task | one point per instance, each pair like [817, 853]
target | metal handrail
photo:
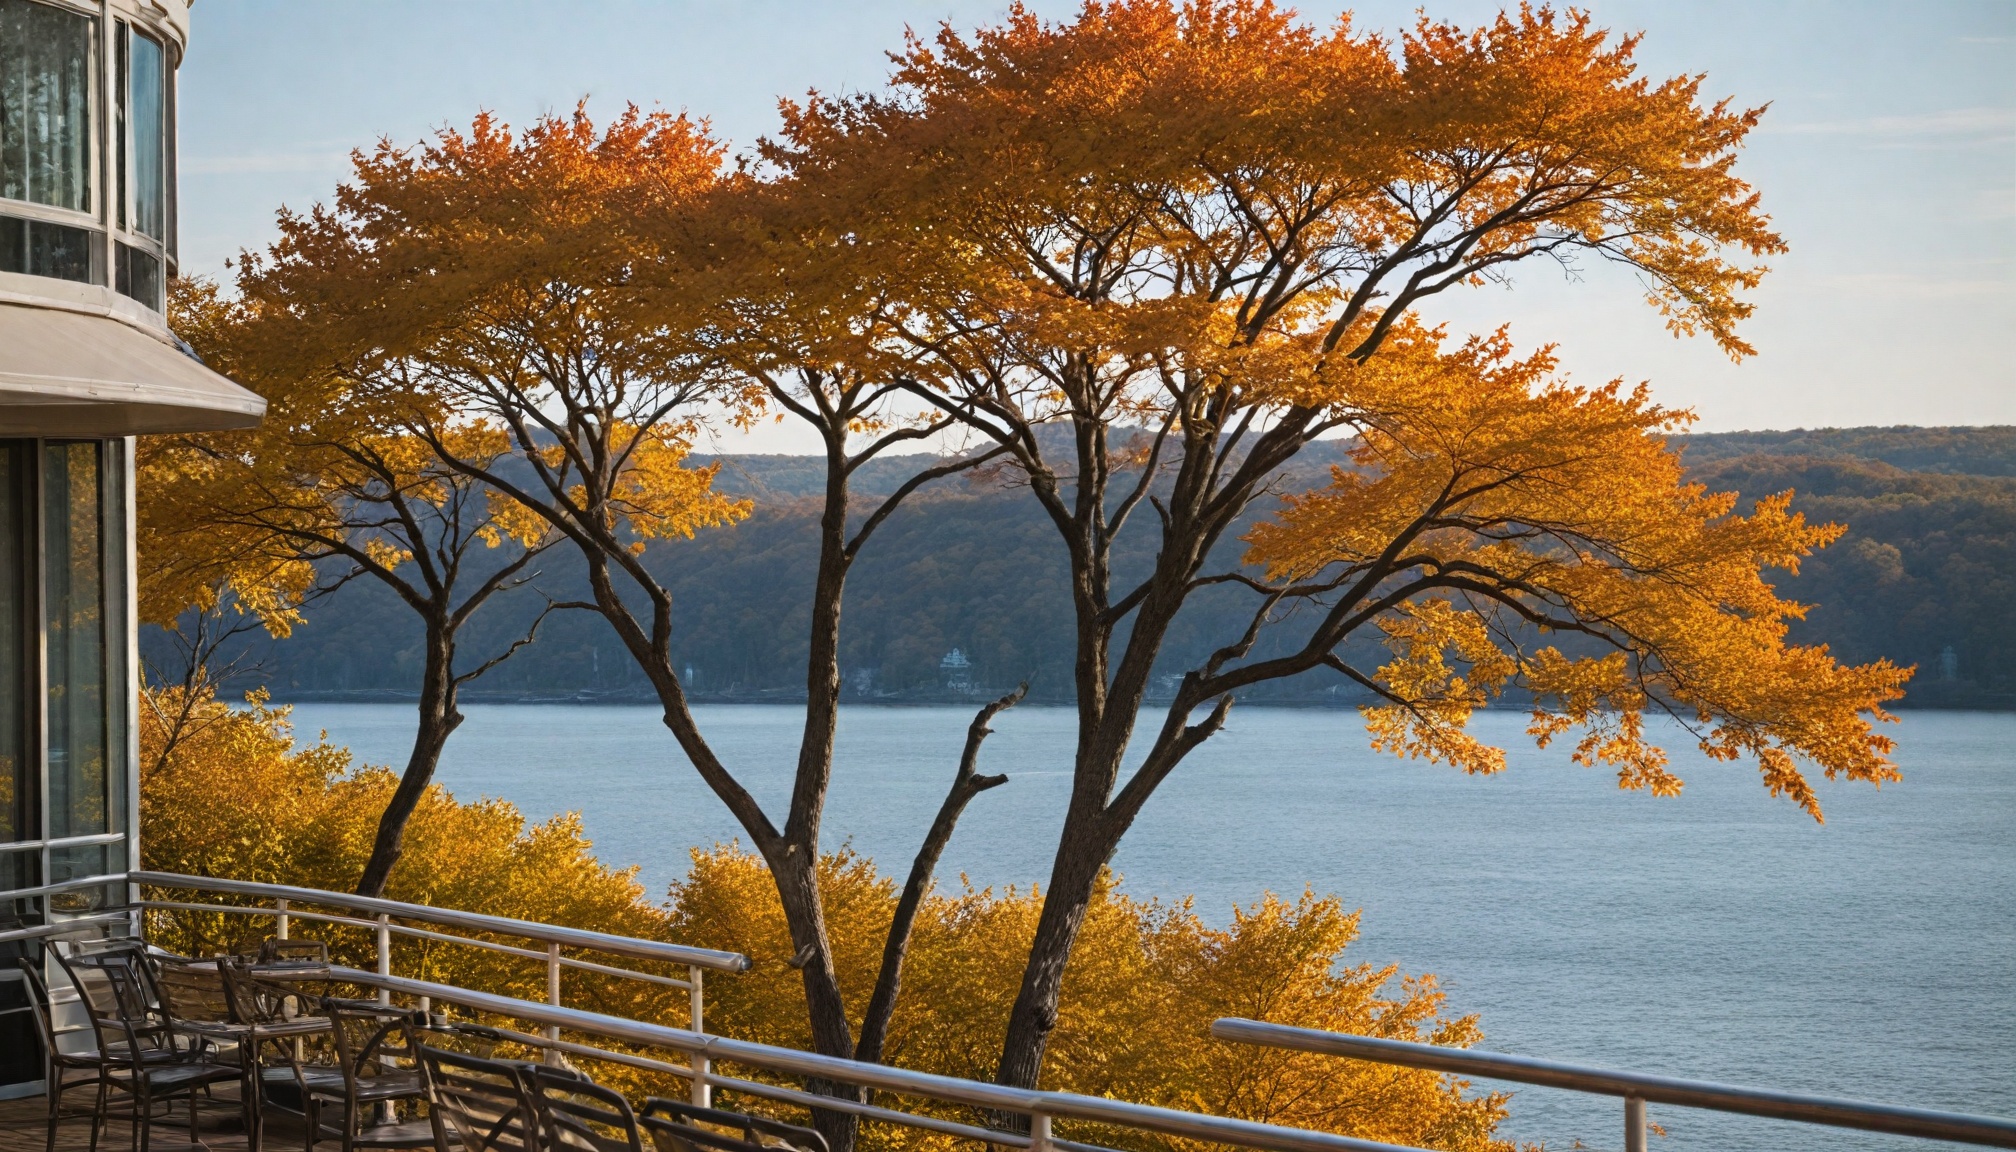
[1038, 1105]
[1992, 1131]
[794, 1096]
[418, 934]
[473, 921]
[12, 894]
[65, 927]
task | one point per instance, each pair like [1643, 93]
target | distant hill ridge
[1989, 450]
[1925, 575]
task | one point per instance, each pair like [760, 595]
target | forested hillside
[1925, 575]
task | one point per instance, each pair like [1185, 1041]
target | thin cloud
[1946, 126]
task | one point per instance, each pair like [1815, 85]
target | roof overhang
[70, 373]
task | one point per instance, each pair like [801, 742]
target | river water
[1719, 935]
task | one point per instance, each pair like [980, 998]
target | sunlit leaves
[1144, 983]
[1493, 509]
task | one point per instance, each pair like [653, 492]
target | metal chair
[197, 1006]
[138, 1049]
[56, 1063]
[265, 1027]
[476, 1105]
[274, 950]
[674, 1126]
[367, 1042]
[578, 1115]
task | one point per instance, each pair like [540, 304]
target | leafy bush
[229, 792]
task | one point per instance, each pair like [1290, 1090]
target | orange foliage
[1144, 984]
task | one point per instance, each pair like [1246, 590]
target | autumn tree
[1157, 250]
[245, 526]
[592, 294]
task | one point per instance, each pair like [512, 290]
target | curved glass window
[147, 120]
[17, 782]
[45, 105]
[73, 603]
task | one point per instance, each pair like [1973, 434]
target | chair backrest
[115, 992]
[277, 951]
[40, 1008]
[193, 991]
[580, 1115]
[370, 1039]
[252, 1000]
[674, 1126]
[480, 1105]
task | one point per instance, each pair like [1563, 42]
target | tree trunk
[439, 718]
[1081, 852]
[966, 784]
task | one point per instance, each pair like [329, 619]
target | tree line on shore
[1924, 570]
[1157, 270]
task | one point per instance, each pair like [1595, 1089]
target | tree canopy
[1140, 264]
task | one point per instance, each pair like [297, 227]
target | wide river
[1720, 935]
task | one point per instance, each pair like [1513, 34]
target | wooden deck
[24, 1127]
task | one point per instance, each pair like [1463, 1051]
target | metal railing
[1636, 1088]
[387, 919]
[562, 1031]
[552, 1023]
[707, 1051]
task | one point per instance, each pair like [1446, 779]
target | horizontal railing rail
[69, 927]
[702, 1050]
[1040, 1106]
[62, 886]
[472, 921]
[1992, 1131]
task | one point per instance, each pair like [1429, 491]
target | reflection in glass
[40, 248]
[75, 863]
[45, 105]
[16, 783]
[139, 276]
[148, 120]
[73, 602]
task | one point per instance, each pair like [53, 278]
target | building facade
[87, 362]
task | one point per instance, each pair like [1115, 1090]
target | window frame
[93, 216]
[119, 662]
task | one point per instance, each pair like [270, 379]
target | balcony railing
[555, 1028]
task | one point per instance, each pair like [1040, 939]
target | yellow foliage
[1144, 983]
[1491, 506]
[237, 797]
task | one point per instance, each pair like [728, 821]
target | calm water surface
[1719, 935]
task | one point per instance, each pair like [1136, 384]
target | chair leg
[98, 1111]
[54, 1085]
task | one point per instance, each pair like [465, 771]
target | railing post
[1039, 1133]
[280, 919]
[384, 954]
[1634, 1124]
[553, 995]
[702, 1092]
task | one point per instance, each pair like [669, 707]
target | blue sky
[1888, 160]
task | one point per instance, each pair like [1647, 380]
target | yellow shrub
[1143, 985]
[237, 797]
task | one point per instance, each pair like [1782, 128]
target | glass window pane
[74, 606]
[45, 105]
[149, 120]
[75, 863]
[17, 783]
[140, 276]
[40, 248]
